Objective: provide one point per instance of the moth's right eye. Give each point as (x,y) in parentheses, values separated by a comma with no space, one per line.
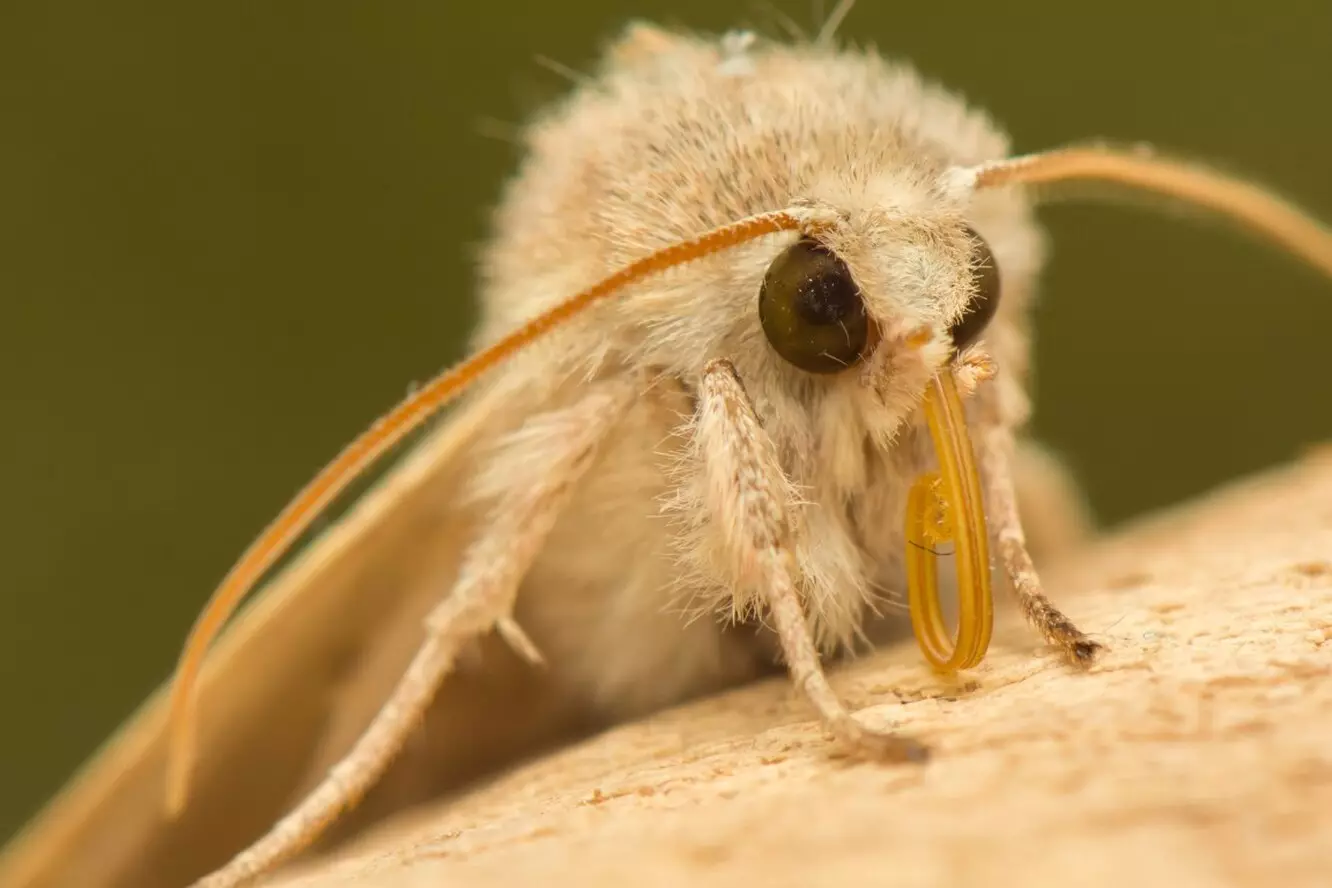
(811,309)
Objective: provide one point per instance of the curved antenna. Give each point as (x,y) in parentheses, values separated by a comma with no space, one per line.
(834,21)
(296,517)
(1244,202)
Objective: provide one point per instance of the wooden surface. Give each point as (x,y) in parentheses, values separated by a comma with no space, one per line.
(1197,752)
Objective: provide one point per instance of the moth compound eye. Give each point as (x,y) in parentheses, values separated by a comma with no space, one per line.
(811,309)
(985,296)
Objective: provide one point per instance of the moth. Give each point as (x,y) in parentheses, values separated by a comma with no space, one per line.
(755,345)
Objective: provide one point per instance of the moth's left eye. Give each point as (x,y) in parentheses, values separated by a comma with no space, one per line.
(984,299)
(811,309)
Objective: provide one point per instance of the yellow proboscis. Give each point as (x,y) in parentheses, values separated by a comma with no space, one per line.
(946,506)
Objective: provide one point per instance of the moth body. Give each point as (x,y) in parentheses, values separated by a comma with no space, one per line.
(632,598)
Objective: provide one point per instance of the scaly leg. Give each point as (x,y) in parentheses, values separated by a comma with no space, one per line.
(747,494)
(481,601)
(997,467)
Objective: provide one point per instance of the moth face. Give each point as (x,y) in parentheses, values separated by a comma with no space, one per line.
(879,309)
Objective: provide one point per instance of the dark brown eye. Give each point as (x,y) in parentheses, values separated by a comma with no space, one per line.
(985,299)
(811,310)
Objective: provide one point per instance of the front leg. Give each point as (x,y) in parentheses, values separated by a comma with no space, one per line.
(998,467)
(747,495)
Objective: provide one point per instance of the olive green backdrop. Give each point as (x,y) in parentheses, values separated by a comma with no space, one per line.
(232,232)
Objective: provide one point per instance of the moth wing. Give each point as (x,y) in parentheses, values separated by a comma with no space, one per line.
(288,688)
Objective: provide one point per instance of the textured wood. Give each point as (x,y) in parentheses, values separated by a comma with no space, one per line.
(1198,751)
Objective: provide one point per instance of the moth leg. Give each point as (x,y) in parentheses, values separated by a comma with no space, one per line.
(748,499)
(481,601)
(998,466)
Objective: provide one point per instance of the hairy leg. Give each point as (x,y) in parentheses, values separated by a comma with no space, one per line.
(747,494)
(481,602)
(998,467)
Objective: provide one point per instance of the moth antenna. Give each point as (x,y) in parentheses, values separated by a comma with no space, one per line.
(779,19)
(833,22)
(560,69)
(296,517)
(1245,202)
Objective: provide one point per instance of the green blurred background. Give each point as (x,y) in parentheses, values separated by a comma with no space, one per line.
(232,232)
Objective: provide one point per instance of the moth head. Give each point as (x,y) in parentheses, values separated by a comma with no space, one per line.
(851,317)
(818,317)
(893,298)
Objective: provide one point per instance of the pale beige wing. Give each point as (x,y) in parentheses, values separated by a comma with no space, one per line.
(289,686)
